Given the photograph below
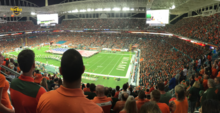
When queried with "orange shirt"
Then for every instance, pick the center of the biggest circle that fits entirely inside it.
(214, 73)
(181, 107)
(119, 106)
(205, 85)
(86, 90)
(38, 78)
(164, 107)
(218, 74)
(5, 98)
(18, 69)
(116, 94)
(104, 102)
(74, 99)
(140, 102)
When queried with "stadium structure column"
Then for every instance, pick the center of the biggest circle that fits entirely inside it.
(46, 2)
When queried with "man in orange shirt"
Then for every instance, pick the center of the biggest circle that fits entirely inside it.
(141, 100)
(214, 72)
(87, 89)
(205, 80)
(68, 98)
(102, 100)
(117, 91)
(155, 96)
(120, 104)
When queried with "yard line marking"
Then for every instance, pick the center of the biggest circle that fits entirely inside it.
(96, 62)
(115, 65)
(105, 75)
(103, 63)
(107, 65)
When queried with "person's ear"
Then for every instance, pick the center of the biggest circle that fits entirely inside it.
(33, 66)
(60, 71)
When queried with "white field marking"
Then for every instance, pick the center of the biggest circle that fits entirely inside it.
(103, 63)
(115, 65)
(97, 62)
(107, 65)
(105, 75)
(115, 54)
(130, 66)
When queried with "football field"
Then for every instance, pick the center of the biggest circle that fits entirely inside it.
(112, 65)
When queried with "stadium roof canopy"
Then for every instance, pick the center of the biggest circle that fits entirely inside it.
(105, 6)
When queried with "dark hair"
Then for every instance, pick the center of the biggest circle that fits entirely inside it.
(141, 94)
(83, 86)
(123, 97)
(117, 88)
(60, 82)
(150, 107)
(26, 60)
(113, 93)
(72, 66)
(210, 106)
(88, 85)
(148, 90)
(55, 80)
(37, 71)
(125, 86)
(7, 63)
(130, 89)
(160, 86)
(106, 91)
(92, 87)
(156, 95)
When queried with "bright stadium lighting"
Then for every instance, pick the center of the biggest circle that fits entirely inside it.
(69, 11)
(90, 9)
(33, 13)
(98, 9)
(83, 10)
(125, 9)
(116, 9)
(132, 9)
(173, 7)
(107, 9)
(74, 11)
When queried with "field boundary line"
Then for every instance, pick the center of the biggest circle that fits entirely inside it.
(105, 75)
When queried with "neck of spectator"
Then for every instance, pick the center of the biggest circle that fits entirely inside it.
(74, 85)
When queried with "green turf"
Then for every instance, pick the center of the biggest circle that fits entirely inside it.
(103, 63)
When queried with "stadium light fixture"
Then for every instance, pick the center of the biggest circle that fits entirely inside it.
(74, 11)
(132, 9)
(90, 9)
(83, 10)
(33, 13)
(173, 7)
(107, 9)
(116, 9)
(98, 9)
(125, 9)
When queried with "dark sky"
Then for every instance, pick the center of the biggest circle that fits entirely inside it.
(42, 2)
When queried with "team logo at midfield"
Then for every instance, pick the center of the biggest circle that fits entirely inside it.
(16, 10)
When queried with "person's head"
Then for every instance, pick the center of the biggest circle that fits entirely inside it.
(100, 90)
(56, 80)
(148, 90)
(211, 83)
(37, 71)
(26, 61)
(160, 86)
(106, 91)
(113, 93)
(92, 87)
(196, 84)
(88, 85)
(44, 83)
(117, 88)
(217, 80)
(141, 95)
(125, 86)
(155, 95)
(150, 107)
(72, 66)
(206, 74)
(83, 86)
(130, 105)
(180, 92)
(124, 96)
(210, 106)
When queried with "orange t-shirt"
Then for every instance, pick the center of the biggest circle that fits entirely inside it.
(119, 106)
(164, 107)
(181, 107)
(205, 85)
(38, 78)
(218, 74)
(74, 99)
(214, 73)
(86, 90)
(140, 102)
(5, 98)
(104, 102)
(116, 94)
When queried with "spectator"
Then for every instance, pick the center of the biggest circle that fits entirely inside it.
(181, 102)
(25, 94)
(117, 91)
(102, 100)
(60, 82)
(44, 84)
(150, 107)
(192, 80)
(172, 82)
(120, 104)
(92, 93)
(164, 96)
(210, 106)
(141, 100)
(147, 92)
(151, 88)
(130, 106)
(193, 96)
(70, 92)
(52, 87)
(211, 92)
(87, 88)
(125, 86)
(205, 80)
(114, 100)
(38, 77)
(83, 86)
(155, 96)
(217, 82)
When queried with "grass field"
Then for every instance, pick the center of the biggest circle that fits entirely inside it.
(102, 64)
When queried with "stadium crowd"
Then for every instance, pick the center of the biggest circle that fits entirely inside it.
(18, 26)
